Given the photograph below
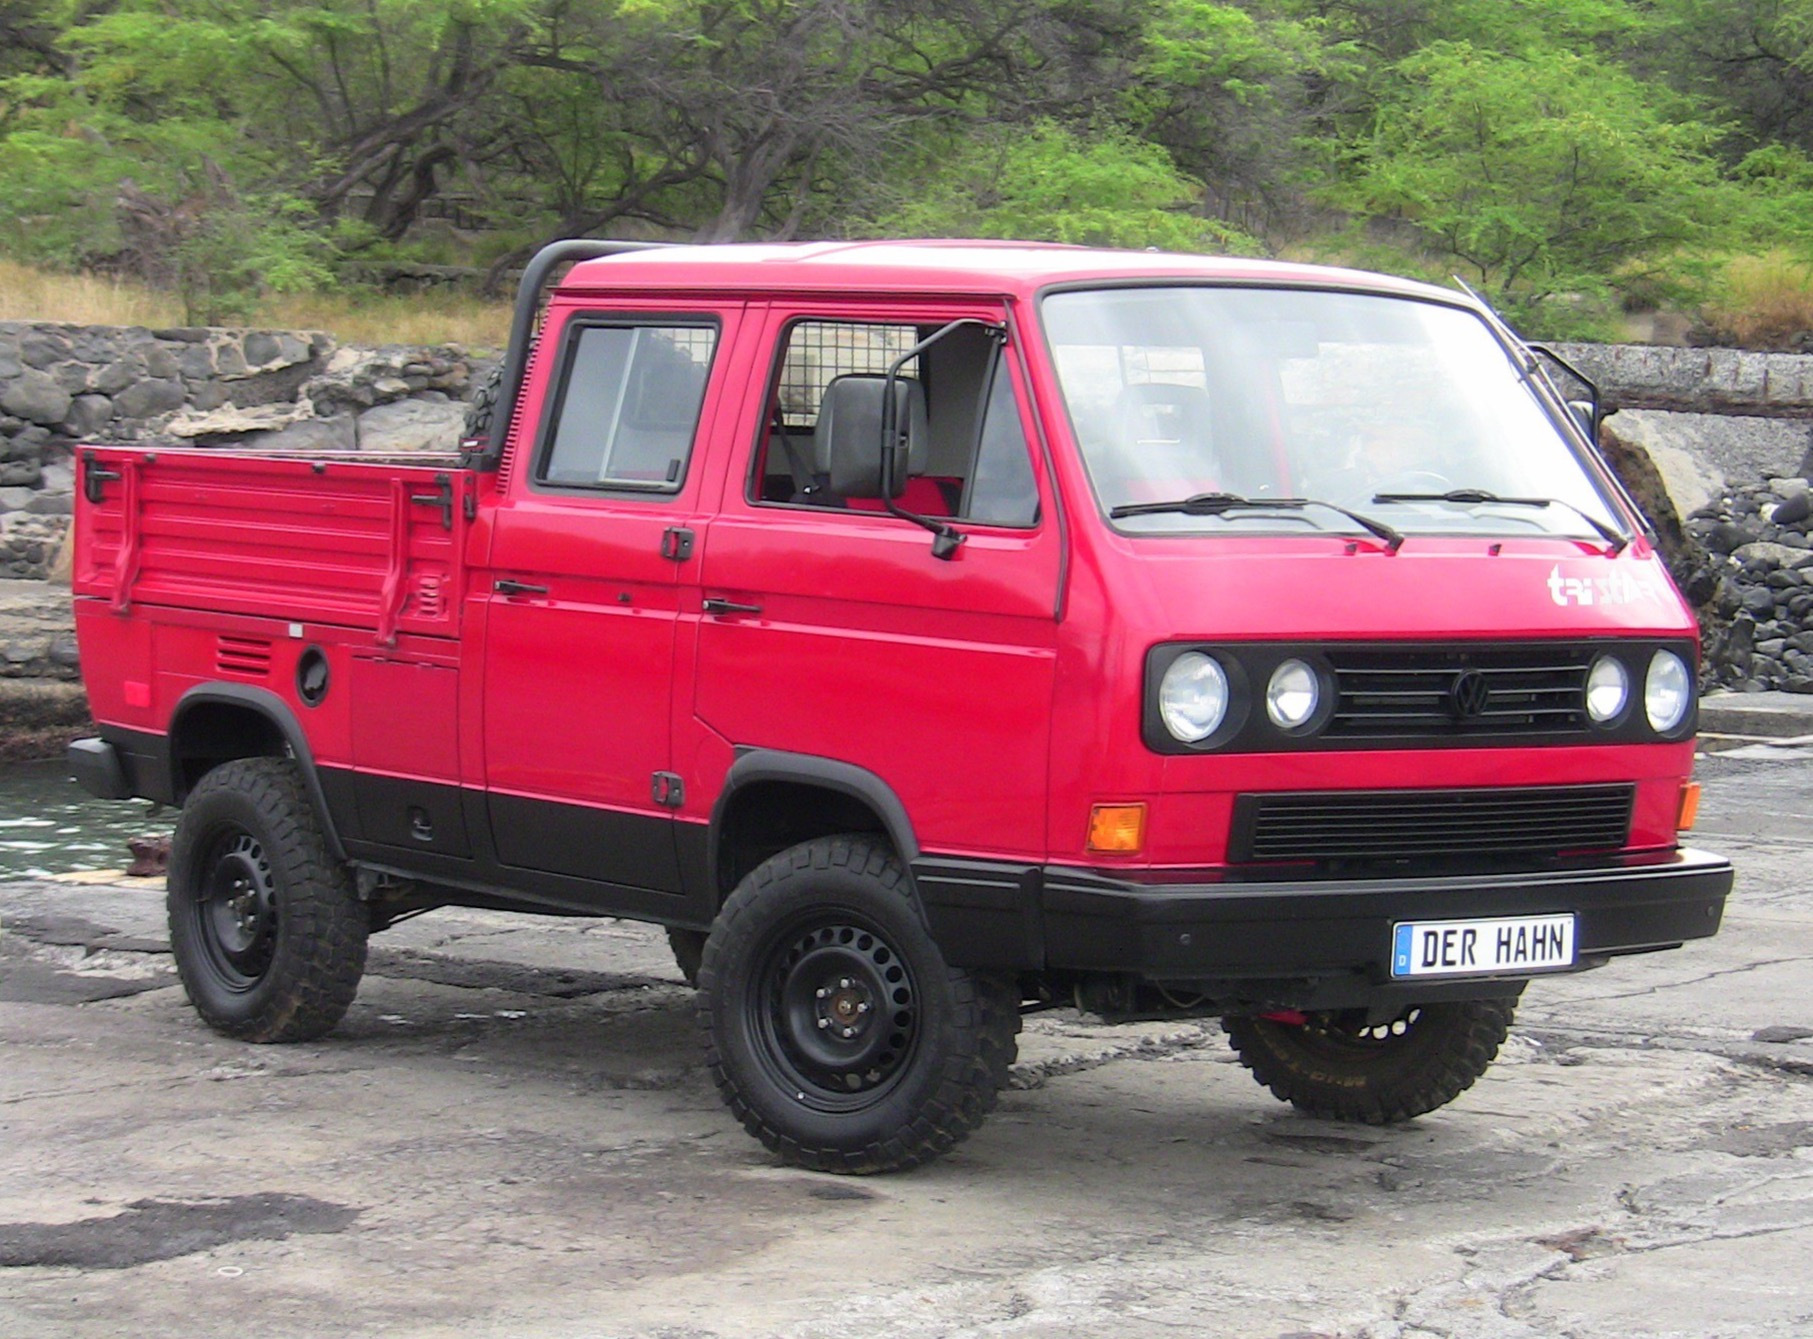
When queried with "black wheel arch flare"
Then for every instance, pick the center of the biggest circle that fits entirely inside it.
(758, 767)
(275, 712)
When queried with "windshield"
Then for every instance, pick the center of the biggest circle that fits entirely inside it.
(1379, 405)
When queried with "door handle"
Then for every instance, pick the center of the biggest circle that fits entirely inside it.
(730, 607)
(517, 588)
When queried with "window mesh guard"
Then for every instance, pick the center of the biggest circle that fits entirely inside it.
(819, 351)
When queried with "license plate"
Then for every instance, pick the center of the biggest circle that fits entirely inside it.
(1482, 948)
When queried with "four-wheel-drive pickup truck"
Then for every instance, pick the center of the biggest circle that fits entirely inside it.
(925, 633)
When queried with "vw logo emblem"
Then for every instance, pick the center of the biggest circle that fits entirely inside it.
(1468, 695)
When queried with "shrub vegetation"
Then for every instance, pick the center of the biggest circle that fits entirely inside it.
(1567, 156)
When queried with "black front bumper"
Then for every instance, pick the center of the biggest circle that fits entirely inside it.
(1332, 934)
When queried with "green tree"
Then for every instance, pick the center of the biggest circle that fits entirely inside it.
(1753, 58)
(1540, 176)
(1230, 92)
(1047, 183)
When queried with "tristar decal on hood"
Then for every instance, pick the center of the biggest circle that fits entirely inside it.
(1622, 586)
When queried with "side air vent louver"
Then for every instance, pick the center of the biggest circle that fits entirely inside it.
(243, 656)
(516, 410)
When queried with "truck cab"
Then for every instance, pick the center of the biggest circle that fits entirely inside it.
(924, 633)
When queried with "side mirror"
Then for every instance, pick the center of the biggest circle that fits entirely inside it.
(1586, 414)
(848, 442)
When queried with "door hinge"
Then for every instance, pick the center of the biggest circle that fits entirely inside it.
(676, 543)
(669, 790)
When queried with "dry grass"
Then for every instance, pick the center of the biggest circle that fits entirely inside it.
(1763, 302)
(32, 295)
(421, 318)
(351, 317)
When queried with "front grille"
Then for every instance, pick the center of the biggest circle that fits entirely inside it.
(1460, 691)
(1422, 824)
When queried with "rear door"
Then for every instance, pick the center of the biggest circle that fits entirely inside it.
(594, 542)
(832, 630)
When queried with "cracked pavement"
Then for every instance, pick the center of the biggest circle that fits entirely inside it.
(512, 1135)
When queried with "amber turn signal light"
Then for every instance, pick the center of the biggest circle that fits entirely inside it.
(1117, 829)
(1690, 806)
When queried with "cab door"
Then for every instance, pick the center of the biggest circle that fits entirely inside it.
(829, 628)
(594, 542)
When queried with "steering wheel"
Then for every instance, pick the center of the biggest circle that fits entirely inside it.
(1414, 481)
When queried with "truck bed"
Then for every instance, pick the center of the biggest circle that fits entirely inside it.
(364, 544)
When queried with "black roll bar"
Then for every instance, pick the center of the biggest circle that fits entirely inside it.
(522, 330)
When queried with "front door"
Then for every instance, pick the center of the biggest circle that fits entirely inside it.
(594, 543)
(830, 628)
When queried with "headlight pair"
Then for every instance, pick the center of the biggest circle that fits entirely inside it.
(1194, 696)
(1667, 691)
(1267, 696)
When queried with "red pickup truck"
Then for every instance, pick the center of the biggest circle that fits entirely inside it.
(925, 633)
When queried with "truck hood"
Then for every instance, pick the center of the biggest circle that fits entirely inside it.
(1327, 588)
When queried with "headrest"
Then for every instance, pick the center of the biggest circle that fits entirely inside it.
(859, 393)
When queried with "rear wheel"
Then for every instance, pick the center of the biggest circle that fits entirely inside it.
(1338, 1066)
(267, 931)
(834, 1028)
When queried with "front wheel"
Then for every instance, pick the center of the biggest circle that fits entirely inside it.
(1338, 1066)
(834, 1029)
(267, 931)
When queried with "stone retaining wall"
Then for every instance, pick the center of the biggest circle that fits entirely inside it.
(1711, 419)
(1716, 423)
(61, 385)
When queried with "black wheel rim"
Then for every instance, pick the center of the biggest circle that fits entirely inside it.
(835, 1014)
(236, 909)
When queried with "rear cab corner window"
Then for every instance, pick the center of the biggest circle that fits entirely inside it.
(626, 405)
(969, 454)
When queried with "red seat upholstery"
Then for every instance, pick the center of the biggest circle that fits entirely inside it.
(924, 495)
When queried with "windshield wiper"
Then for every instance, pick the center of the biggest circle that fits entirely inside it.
(1471, 496)
(1219, 504)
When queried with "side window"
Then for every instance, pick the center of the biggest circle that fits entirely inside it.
(967, 448)
(1002, 490)
(628, 407)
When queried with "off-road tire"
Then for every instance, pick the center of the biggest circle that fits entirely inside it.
(1334, 1067)
(481, 404)
(817, 932)
(689, 950)
(268, 933)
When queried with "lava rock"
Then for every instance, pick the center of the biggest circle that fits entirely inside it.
(36, 397)
(1725, 537)
(1795, 510)
(1758, 600)
(150, 397)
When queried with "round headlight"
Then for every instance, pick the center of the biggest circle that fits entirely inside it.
(1293, 695)
(1193, 697)
(1607, 690)
(1667, 691)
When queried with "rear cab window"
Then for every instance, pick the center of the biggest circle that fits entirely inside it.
(626, 404)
